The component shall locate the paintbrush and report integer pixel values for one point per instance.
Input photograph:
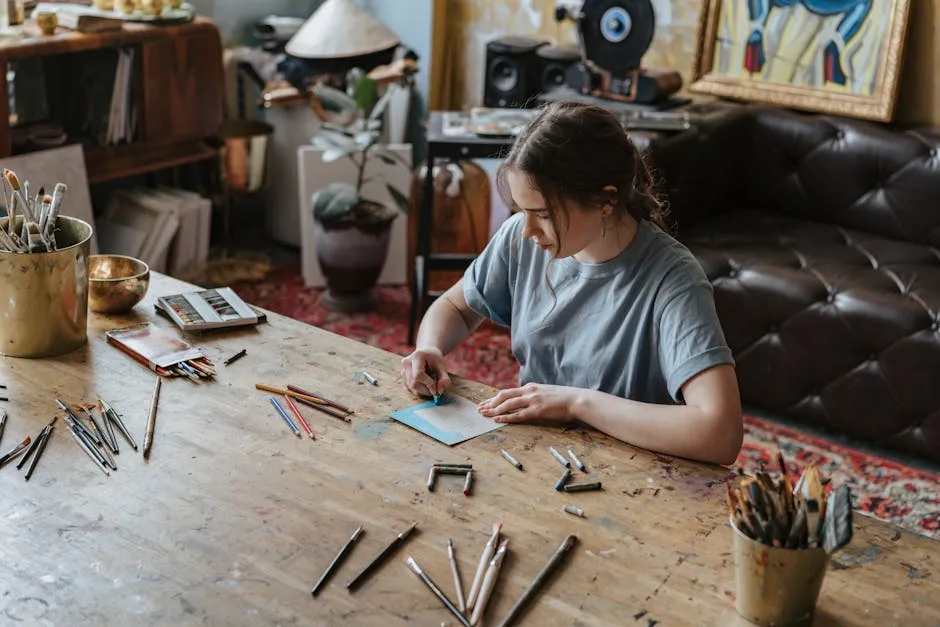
(837, 524)
(485, 558)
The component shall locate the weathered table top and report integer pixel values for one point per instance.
(233, 518)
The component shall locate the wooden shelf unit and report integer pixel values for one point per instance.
(179, 94)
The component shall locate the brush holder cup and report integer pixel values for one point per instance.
(777, 587)
(44, 295)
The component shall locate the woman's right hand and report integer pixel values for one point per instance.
(419, 369)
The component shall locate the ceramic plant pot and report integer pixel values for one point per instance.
(352, 252)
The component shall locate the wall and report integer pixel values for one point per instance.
(236, 18)
(472, 23)
(919, 97)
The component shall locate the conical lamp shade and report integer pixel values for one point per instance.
(340, 29)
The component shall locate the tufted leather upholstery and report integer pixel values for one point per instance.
(821, 237)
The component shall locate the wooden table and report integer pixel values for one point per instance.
(233, 518)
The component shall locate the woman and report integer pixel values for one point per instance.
(612, 320)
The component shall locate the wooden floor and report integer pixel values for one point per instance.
(234, 518)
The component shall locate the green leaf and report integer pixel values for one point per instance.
(333, 139)
(400, 199)
(334, 201)
(379, 110)
(335, 100)
(334, 154)
(366, 139)
(335, 128)
(366, 93)
(390, 156)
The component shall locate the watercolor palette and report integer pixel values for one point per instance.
(208, 309)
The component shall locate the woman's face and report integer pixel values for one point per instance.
(579, 227)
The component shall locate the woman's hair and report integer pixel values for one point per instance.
(571, 151)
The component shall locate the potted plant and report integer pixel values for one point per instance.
(352, 232)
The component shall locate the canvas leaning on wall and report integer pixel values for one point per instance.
(832, 56)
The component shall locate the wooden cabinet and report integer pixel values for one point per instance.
(179, 93)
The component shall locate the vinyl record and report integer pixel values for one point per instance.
(617, 33)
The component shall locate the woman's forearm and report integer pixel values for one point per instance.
(443, 326)
(681, 430)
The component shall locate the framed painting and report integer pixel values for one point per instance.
(831, 56)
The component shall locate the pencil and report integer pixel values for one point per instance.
(280, 410)
(3, 421)
(310, 401)
(294, 388)
(152, 419)
(300, 416)
(326, 409)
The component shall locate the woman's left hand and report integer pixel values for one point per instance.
(531, 402)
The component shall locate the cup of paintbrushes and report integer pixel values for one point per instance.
(43, 291)
(775, 585)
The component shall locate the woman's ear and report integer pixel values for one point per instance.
(612, 200)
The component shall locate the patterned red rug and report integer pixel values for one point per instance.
(883, 488)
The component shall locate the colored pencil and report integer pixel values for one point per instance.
(300, 416)
(280, 410)
(294, 388)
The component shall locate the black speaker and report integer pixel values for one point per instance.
(512, 72)
(556, 64)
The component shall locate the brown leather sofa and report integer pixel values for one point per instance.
(821, 236)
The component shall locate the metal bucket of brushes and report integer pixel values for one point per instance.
(43, 279)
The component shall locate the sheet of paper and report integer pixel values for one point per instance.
(455, 420)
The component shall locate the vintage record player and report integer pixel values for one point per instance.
(614, 35)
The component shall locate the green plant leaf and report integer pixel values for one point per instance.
(379, 110)
(334, 202)
(334, 154)
(390, 156)
(366, 93)
(366, 139)
(400, 199)
(337, 139)
(335, 128)
(334, 100)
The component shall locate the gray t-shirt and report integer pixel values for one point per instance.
(638, 326)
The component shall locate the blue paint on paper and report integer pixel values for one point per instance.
(411, 418)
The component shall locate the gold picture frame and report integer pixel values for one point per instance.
(793, 54)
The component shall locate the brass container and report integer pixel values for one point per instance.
(104, 5)
(44, 296)
(125, 6)
(47, 23)
(116, 283)
(175, 4)
(777, 587)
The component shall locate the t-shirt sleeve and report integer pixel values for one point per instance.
(488, 282)
(691, 339)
